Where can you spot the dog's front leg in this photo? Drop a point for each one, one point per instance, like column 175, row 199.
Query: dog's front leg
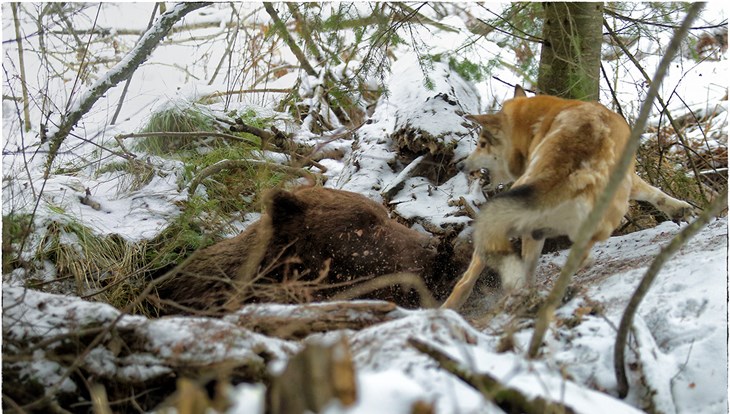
column 511, row 268
column 465, row 285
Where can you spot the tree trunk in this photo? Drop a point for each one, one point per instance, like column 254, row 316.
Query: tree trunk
column 570, row 60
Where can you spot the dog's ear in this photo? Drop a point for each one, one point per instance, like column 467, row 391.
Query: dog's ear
column 479, row 119
column 519, row 92
column 490, row 120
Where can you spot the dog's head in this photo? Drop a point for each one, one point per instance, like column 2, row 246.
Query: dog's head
column 494, row 146
column 491, row 151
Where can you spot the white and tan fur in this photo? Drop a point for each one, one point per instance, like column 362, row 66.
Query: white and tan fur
column 558, row 153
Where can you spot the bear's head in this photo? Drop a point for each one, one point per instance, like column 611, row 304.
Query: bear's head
column 346, row 232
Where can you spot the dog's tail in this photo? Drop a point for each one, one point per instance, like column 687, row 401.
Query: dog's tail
column 505, row 215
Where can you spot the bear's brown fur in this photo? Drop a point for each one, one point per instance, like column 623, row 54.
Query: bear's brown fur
column 311, row 243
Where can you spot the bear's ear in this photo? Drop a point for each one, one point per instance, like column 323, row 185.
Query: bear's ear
column 284, row 207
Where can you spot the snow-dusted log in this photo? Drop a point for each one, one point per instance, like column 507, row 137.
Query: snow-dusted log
column 121, row 71
column 299, row 321
column 45, row 335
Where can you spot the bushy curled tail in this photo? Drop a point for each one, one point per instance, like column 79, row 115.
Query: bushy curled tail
column 503, row 217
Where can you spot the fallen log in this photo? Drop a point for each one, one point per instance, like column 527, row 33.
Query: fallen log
column 63, row 344
column 299, row 321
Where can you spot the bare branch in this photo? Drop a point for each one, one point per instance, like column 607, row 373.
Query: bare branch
column 665, row 111
column 509, row 399
column 200, row 134
column 118, row 73
column 21, row 64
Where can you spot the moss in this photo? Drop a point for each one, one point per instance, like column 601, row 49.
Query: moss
column 16, row 227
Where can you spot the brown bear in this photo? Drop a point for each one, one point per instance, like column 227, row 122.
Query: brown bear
column 310, row 244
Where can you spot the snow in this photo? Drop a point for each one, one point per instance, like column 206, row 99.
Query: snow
column 679, row 340
column 680, row 332
column 382, row 392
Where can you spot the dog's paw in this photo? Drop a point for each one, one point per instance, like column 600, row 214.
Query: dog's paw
column 679, row 211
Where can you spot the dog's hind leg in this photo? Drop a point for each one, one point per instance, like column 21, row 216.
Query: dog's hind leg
column 677, row 210
column 532, row 245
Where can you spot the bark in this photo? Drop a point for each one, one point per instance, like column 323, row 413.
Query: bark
column 570, row 59
column 121, row 71
column 585, row 233
column 666, row 253
column 21, row 63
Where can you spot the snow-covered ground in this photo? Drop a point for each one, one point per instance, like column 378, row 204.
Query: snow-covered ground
column 679, row 346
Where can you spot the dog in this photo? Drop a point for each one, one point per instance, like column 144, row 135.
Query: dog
column 558, row 153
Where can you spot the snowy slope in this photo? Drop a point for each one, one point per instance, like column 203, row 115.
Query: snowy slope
column 680, row 334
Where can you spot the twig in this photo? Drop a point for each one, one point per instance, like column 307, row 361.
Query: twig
column 664, row 255
column 21, row 64
column 230, row 40
column 404, row 280
column 129, row 80
column 265, row 135
column 182, row 134
column 118, row 73
column 399, row 181
column 618, row 175
column 663, row 105
column 625, row 18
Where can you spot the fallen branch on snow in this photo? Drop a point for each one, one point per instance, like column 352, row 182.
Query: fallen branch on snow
column 299, row 321
column 511, row 400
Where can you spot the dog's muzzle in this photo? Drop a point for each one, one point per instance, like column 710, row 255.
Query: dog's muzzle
column 481, row 174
